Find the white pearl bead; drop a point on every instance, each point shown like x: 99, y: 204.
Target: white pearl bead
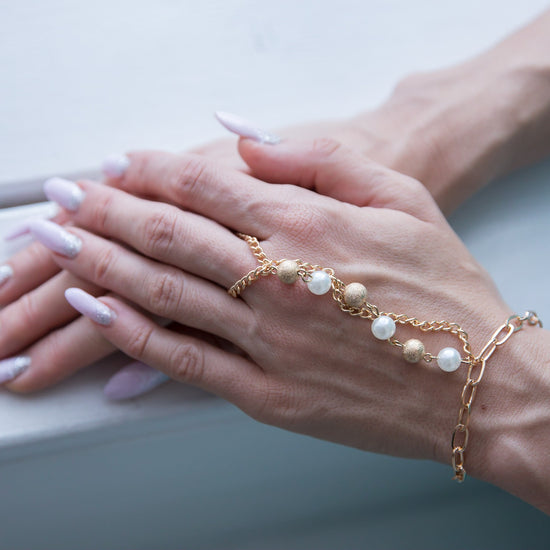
x: 320, y: 282
x: 449, y: 359
x: 383, y: 327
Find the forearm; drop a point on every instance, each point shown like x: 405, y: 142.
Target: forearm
x: 463, y: 126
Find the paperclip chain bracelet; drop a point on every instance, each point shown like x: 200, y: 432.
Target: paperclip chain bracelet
x: 352, y: 299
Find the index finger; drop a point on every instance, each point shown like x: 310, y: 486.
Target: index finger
x: 201, y: 185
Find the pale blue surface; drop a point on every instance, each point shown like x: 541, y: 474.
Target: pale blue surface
x: 229, y: 483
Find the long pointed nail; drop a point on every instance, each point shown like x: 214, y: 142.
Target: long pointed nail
x: 133, y: 380
x: 6, y: 271
x: 115, y: 166
x: 11, y: 368
x: 54, y: 237
x: 64, y: 192
x: 22, y: 228
x: 245, y: 129
x: 89, y: 306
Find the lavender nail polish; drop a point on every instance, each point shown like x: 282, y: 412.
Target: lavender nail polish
x: 133, y: 380
x: 22, y: 228
x: 6, y: 272
x: 115, y: 166
x: 54, y: 237
x: 89, y: 306
x: 245, y: 129
x: 11, y: 368
x: 64, y: 192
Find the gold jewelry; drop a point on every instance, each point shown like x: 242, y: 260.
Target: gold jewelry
x: 352, y: 299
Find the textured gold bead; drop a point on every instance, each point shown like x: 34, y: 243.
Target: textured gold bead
x: 355, y: 295
x: 287, y: 271
x: 413, y: 350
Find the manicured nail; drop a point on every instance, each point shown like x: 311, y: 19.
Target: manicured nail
x: 246, y: 129
x: 6, y: 272
x: 22, y: 228
x: 115, y: 166
x: 11, y: 368
x: 133, y: 380
x: 89, y: 306
x: 54, y: 237
x: 64, y: 192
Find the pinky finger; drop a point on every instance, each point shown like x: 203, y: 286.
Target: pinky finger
x: 180, y: 356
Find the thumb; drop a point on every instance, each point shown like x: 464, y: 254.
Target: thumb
x: 329, y: 168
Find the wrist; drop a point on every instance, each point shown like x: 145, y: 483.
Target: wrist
x: 510, y: 446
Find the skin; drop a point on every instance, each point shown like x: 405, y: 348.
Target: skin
x: 307, y: 366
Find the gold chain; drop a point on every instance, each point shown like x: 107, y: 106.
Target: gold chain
x: 476, y: 370
x: 367, y: 311
x: 476, y: 364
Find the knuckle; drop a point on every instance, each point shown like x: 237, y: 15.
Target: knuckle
x: 326, y: 147
x: 277, y: 405
x: 101, y: 213
x: 187, y: 363
x: 190, y: 174
x: 29, y: 309
x: 165, y: 294
x: 103, y: 265
x: 159, y: 232
x: 138, y: 345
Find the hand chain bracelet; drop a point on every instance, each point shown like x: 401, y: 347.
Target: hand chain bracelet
x: 352, y: 299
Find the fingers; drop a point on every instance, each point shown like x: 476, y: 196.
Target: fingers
x: 25, y: 271
x: 163, y: 290
x: 180, y: 356
x: 59, y: 355
x: 164, y: 232
x: 201, y: 185
x: 331, y: 169
x: 38, y: 312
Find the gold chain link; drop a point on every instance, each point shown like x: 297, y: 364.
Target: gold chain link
x: 476, y: 364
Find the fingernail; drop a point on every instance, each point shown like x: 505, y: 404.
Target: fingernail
x: 64, y: 192
x: 133, y: 380
x: 115, y: 166
x: 89, y: 306
x: 246, y: 129
x: 6, y: 272
x: 23, y: 228
x: 11, y: 368
x: 54, y: 237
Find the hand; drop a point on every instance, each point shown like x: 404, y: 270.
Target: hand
x: 309, y: 367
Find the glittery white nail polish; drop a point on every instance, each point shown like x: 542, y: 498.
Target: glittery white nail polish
x: 54, y: 237
x: 6, y: 272
x: 22, y: 228
x: 245, y: 128
x: 11, y: 368
x: 90, y: 306
x: 64, y: 192
x: 115, y: 166
x: 133, y: 380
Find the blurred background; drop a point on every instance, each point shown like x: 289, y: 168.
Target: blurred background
x: 178, y: 468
